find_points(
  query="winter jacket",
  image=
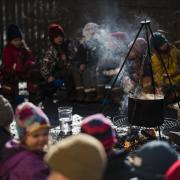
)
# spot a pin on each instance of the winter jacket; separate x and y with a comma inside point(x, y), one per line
point(116, 167)
point(172, 63)
point(17, 60)
point(18, 163)
point(56, 59)
point(88, 54)
point(5, 136)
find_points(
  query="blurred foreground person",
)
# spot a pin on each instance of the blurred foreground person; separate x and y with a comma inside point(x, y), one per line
point(23, 159)
point(173, 172)
point(79, 157)
point(152, 160)
point(100, 127)
point(6, 118)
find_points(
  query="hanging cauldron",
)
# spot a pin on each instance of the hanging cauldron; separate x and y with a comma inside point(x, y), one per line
point(146, 111)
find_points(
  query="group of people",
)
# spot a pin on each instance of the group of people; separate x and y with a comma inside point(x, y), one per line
point(91, 154)
point(87, 69)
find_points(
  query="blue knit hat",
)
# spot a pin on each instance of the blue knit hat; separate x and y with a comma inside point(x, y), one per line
point(158, 40)
point(13, 32)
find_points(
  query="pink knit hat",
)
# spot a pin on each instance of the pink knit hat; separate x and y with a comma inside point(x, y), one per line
point(30, 118)
point(139, 46)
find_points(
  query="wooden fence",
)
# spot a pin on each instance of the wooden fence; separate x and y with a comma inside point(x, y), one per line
point(33, 17)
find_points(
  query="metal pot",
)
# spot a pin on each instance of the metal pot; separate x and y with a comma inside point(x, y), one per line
point(146, 112)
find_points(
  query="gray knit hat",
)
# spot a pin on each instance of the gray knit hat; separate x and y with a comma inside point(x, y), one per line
point(6, 112)
point(78, 157)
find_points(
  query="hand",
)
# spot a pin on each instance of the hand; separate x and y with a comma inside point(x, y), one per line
point(63, 57)
point(51, 79)
point(82, 67)
point(14, 66)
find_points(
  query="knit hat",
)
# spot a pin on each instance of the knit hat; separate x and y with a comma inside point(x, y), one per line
point(30, 118)
point(153, 159)
point(100, 127)
point(78, 157)
point(158, 40)
point(6, 112)
point(173, 172)
point(120, 36)
point(13, 32)
point(55, 30)
point(139, 46)
point(89, 30)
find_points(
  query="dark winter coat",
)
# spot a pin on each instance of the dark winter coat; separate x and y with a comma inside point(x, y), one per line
point(5, 136)
point(88, 54)
point(116, 167)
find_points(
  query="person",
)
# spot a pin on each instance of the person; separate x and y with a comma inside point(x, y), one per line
point(18, 63)
point(112, 50)
point(23, 158)
point(173, 173)
point(56, 64)
point(85, 63)
point(166, 66)
point(138, 66)
point(152, 160)
point(6, 118)
point(77, 157)
point(100, 127)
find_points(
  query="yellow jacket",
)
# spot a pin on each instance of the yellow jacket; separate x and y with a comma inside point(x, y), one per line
point(172, 63)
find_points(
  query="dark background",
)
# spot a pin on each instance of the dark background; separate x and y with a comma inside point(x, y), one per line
point(33, 17)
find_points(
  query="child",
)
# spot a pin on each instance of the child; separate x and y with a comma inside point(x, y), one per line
point(79, 157)
point(86, 61)
point(166, 55)
point(137, 65)
point(23, 158)
point(57, 62)
point(6, 118)
point(100, 127)
point(18, 62)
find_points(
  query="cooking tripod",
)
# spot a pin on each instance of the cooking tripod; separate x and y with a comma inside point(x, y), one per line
point(148, 31)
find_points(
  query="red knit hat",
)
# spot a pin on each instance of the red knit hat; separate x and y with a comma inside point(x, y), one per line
point(100, 127)
point(173, 172)
point(55, 30)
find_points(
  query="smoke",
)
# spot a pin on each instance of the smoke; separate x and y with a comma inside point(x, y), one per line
point(113, 18)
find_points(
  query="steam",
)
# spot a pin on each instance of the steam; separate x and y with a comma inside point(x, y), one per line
point(124, 22)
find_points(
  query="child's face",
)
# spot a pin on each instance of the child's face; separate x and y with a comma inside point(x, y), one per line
point(17, 42)
point(58, 40)
point(56, 176)
point(37, 140)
